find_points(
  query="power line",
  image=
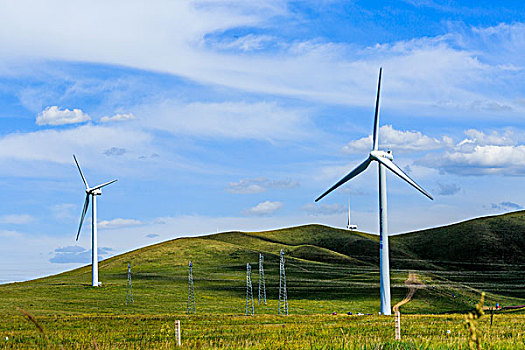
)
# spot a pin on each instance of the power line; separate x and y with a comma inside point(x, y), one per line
point(191, 291)
point(283, 295)
point(262, 284)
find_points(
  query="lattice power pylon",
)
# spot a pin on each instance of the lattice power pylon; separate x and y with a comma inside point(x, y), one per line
point(191, 291)
point(249, 291)
point(262, 284)
point(129, 288)
point(283, 295)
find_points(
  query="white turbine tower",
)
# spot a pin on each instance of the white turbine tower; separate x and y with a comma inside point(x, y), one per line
point(384, 160)
point(93, 192)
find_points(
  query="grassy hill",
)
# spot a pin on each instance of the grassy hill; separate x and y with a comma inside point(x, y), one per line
point(328, 270)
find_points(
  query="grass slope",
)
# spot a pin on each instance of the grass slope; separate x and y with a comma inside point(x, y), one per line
point(328, 270)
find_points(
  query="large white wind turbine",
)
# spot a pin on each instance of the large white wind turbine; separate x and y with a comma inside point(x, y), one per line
point(384, 160)
point(93, 192)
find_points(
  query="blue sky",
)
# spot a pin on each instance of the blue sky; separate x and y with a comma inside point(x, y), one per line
point(236, 115)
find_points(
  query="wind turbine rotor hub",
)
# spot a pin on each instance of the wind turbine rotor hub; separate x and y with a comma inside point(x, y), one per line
point(382, 154)
point(95, 192)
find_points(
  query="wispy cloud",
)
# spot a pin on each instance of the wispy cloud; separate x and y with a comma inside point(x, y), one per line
point(10, 234)
point(323, 209)
point(466, 62)
point(76, 254)
point(250, 42)
point(447, 189)
point(55, 116)
point(70, 249)
point(119, 222)
point(63, 211)
point(119, 117)
point(115, 151)
point(237, 120)
point(260, 184)
point(506, 206)
point(57, 145)
point(16, 219)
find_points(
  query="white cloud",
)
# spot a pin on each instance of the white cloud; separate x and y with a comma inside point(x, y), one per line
point(120, 117)
point(495, 138)
point(264, 208)
point(482, 154)
point(260, 184)
point(119, 222)
point(16, 219)
point(56, 116)
point(479, 153)
point(398, 140)
point(504, 160)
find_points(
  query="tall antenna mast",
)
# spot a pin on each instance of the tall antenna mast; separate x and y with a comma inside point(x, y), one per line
point(191, 291)
point(349, 226)
point(262, 285)
point(129, 288)
point(283, 296)
point(249, 291)
point(348, 223)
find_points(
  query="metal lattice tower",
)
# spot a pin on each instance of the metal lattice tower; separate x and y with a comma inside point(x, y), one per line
point(191, 291)
point(129, 288)
point(249, 291)
point(283, 296)
point(262, 284)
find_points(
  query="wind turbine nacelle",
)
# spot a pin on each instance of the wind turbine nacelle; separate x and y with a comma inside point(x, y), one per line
point(382, 154)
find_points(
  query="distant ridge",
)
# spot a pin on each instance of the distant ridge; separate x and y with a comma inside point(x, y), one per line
point(327, 269)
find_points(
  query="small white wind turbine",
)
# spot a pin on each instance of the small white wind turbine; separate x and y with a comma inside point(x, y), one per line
point(93, 192)
point(384, 160)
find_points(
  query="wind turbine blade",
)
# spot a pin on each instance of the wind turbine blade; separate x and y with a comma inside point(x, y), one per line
point(396, 170)
point(360, 168)
point(80, 170)
point(104, 184)
point(375, 136)
point(86, 204)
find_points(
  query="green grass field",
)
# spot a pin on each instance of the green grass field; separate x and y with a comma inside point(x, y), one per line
point(328, 270)
point(261, 332)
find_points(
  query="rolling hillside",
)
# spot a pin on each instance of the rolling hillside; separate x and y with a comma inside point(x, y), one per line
point(328, 270)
